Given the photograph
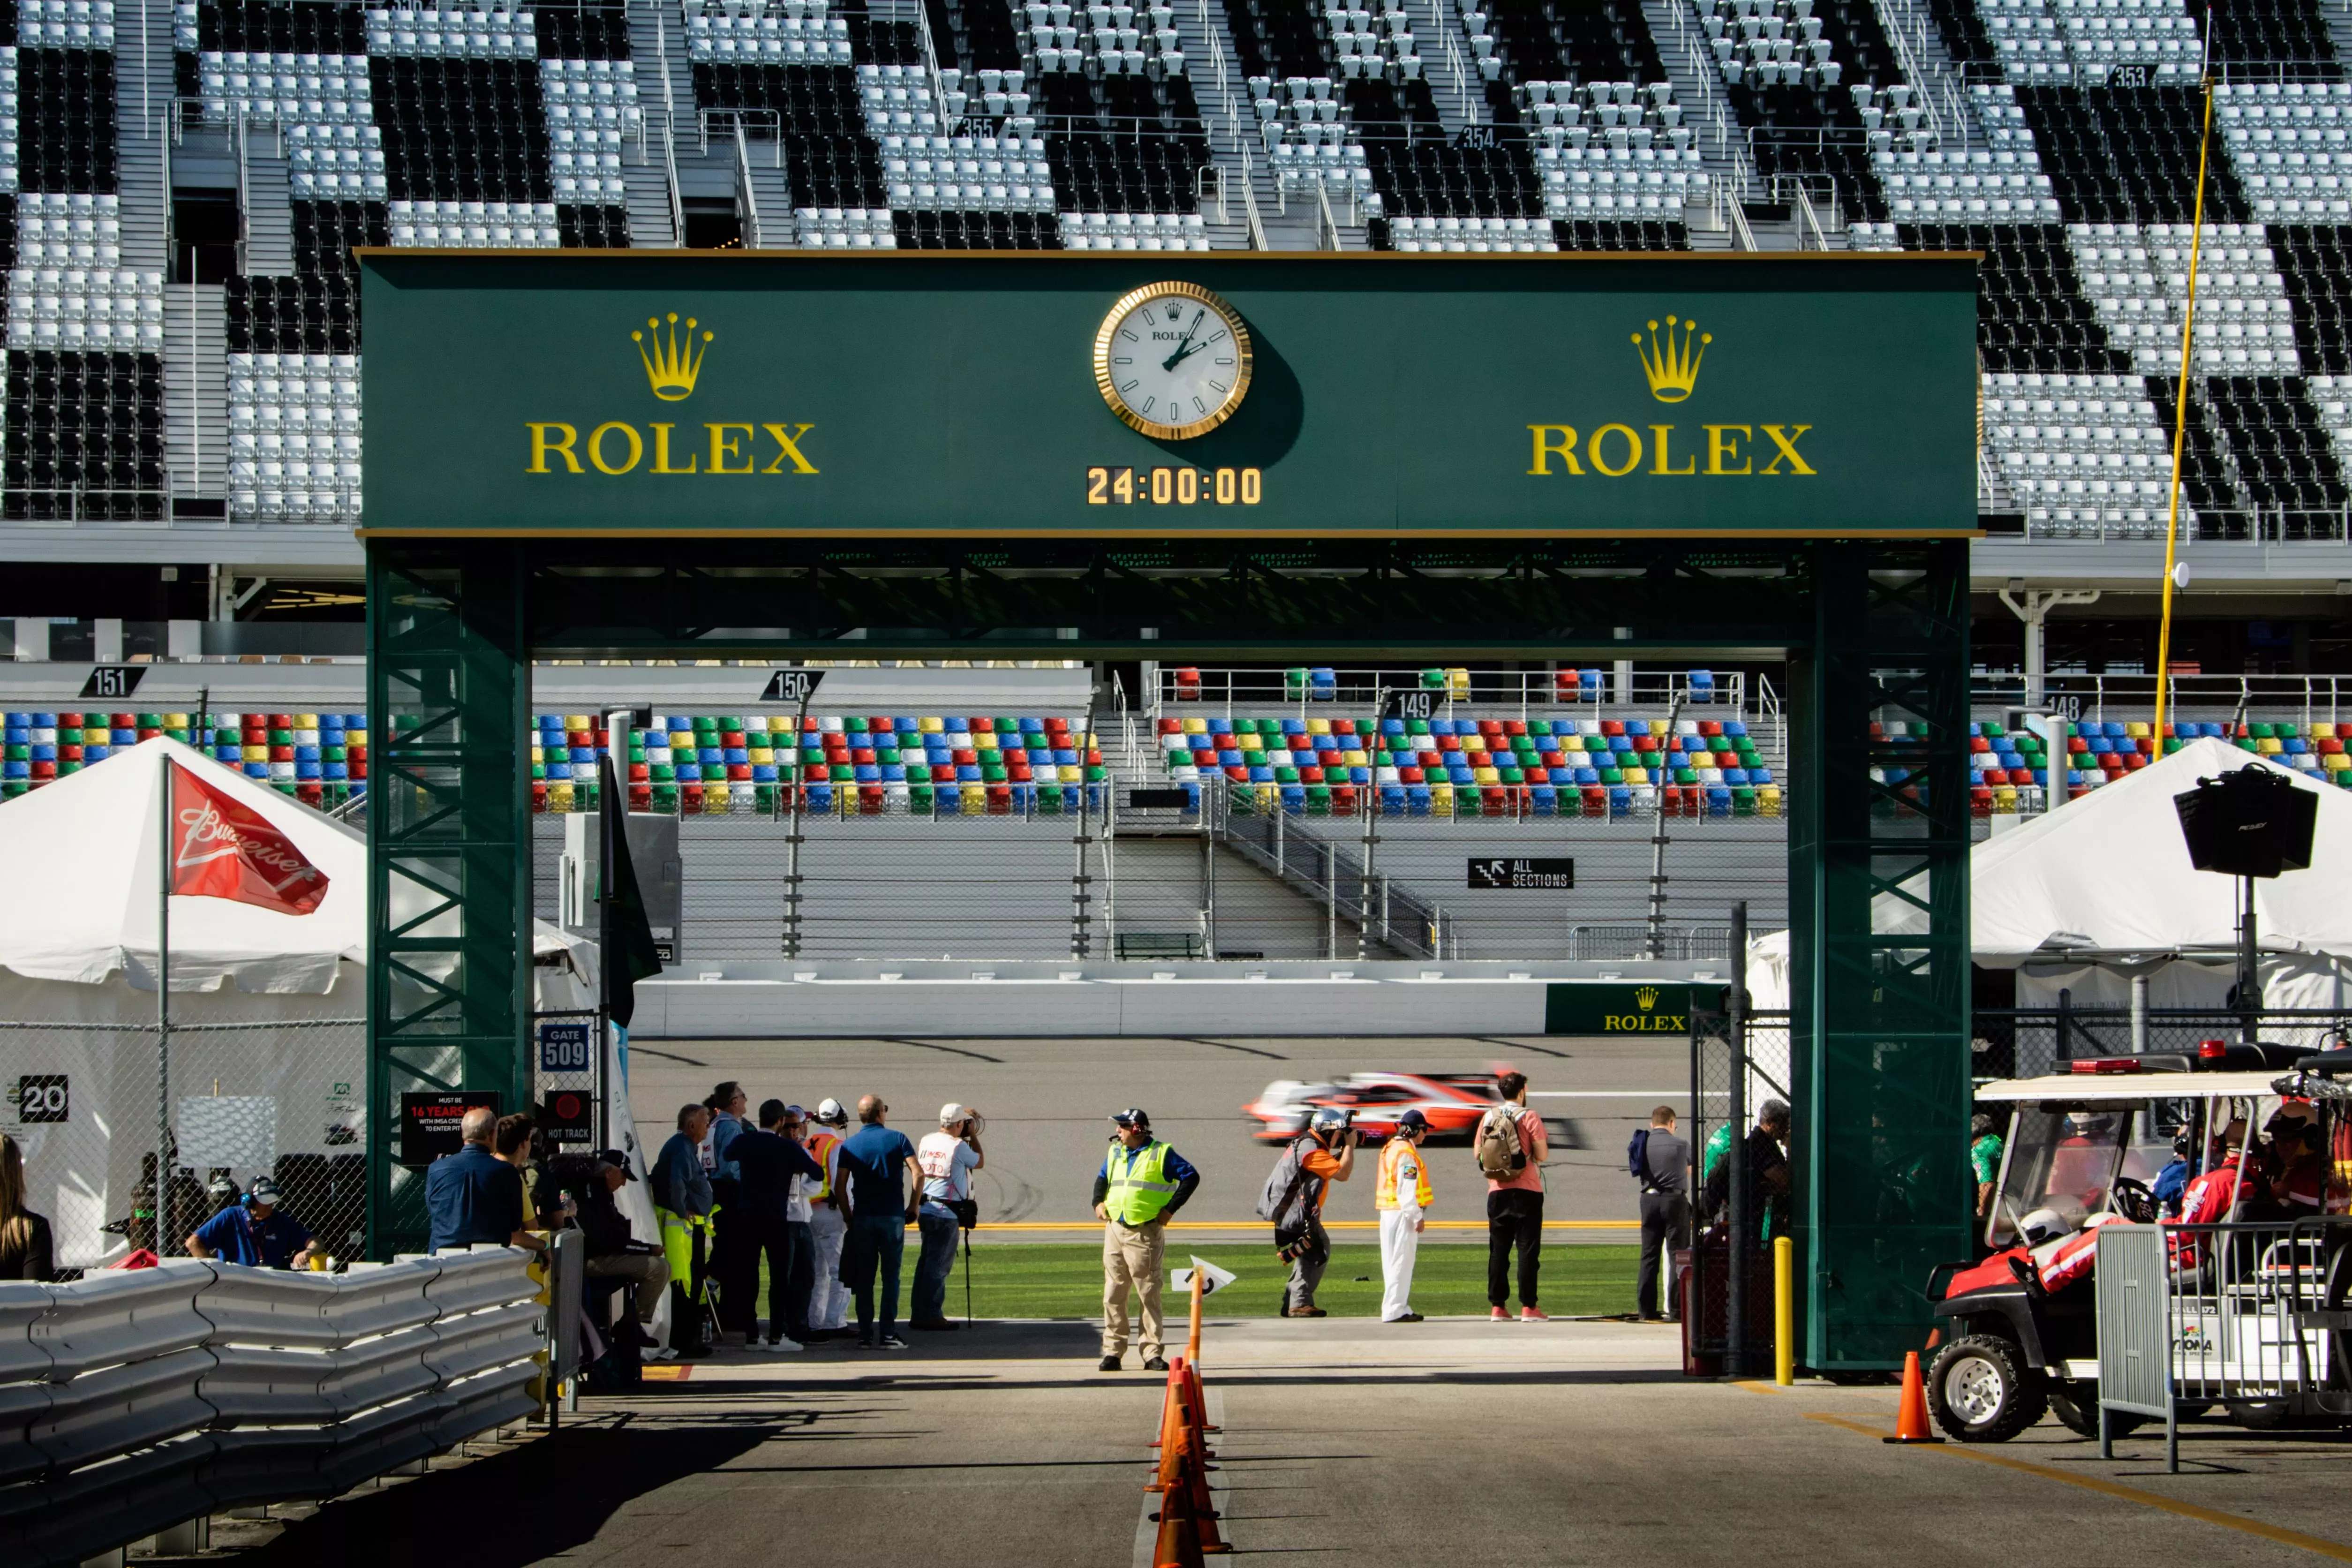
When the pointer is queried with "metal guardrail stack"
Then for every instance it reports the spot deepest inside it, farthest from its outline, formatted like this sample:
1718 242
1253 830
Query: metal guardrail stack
131 1401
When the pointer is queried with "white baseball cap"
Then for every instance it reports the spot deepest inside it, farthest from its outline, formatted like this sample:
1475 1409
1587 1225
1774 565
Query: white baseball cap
830 1112
950 1114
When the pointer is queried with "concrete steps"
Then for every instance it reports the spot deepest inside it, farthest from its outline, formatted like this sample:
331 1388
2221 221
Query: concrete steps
195 390
771 200
142 107
269 207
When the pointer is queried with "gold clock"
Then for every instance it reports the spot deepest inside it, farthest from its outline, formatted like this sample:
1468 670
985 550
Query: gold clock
1172 360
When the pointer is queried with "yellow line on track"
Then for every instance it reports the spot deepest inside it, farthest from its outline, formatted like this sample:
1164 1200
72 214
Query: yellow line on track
1754 1387
2270 1533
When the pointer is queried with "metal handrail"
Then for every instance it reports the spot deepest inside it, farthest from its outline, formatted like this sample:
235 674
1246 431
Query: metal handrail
1326 226
750 199
669 168
1249 204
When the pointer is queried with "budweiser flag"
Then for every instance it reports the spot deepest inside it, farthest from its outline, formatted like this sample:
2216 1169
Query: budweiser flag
222 848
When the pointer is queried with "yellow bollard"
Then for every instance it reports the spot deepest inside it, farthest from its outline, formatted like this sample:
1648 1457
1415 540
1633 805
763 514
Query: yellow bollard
1784 1312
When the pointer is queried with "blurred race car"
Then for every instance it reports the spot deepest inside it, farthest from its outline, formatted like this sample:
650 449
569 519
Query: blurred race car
1452 1101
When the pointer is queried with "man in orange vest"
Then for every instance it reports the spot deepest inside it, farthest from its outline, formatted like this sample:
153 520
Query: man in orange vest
1402 1198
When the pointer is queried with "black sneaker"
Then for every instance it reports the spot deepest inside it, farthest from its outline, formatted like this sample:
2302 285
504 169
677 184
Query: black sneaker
1110 1363
1157 1363
892 1342
1406 1318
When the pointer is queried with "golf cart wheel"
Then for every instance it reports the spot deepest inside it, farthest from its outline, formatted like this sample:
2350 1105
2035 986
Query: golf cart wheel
1981 1391
2076 1405
2260 1415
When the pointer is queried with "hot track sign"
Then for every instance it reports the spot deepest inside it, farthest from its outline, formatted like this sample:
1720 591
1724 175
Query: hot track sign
1168 395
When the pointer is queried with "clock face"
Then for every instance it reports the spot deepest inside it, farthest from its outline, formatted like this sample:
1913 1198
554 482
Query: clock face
1172 360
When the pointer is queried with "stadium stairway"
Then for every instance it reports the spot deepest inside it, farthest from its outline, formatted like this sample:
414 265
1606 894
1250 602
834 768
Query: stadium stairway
269 198
666 90
143 112
1697 91
770 194
195 390
1224 97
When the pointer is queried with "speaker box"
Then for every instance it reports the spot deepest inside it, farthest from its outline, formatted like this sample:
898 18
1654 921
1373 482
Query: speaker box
2251 822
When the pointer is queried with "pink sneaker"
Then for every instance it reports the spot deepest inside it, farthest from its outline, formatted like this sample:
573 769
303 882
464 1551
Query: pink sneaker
1498 1316
1530 1315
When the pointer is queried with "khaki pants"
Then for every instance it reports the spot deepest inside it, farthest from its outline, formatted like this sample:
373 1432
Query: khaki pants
1131 1262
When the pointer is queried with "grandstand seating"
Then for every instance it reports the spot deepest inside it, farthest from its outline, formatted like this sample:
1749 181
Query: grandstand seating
318 758
1471 767
857 764
2062 145
2007 770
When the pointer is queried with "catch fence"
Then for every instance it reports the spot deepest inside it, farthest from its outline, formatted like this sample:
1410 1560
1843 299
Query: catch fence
1150 870
1768 1038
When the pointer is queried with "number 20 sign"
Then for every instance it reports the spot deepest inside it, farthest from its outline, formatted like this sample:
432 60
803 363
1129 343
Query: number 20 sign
42 1098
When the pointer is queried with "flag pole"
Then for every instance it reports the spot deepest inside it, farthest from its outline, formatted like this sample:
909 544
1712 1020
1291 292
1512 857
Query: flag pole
2180 401
163 1012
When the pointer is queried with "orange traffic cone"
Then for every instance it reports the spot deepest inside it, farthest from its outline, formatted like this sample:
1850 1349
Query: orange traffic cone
1179 1545
1174 1432
1200 1397
1911 1423
1171 1400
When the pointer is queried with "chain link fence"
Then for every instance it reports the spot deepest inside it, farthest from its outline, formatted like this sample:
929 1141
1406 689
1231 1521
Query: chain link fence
1768 1045
282 1099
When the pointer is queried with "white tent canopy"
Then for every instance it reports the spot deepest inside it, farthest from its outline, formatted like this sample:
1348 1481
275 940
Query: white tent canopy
2110 874
84 856
265 1006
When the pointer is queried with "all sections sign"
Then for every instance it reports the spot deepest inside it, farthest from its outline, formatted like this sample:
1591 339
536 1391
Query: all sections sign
1170 394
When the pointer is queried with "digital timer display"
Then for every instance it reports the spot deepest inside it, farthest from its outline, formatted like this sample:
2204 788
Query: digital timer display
1174 487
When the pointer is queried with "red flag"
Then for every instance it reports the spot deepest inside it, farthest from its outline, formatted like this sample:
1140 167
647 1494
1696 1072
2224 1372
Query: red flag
222 848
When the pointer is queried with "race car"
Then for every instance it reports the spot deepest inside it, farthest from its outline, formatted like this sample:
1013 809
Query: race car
1453 1101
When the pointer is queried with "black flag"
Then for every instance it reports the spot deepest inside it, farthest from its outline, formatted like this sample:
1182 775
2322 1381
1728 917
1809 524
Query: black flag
626 937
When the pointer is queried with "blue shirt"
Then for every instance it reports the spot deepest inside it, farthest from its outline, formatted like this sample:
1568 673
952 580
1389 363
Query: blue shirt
680 1184
236 1236
872 1161
725 1128
473 1197
768 1163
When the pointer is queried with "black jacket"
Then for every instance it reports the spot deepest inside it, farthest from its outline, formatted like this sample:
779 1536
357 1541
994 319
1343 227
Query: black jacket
600 1219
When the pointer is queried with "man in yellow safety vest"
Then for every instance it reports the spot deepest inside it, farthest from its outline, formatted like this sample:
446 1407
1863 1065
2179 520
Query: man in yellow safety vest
1401 1197
1142 1181
828 1298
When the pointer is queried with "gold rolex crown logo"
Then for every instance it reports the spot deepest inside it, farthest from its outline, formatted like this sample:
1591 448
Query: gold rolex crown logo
1647 995
1673 366
671 366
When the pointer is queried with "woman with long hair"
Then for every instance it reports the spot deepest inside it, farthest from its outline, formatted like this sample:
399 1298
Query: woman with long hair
25 1250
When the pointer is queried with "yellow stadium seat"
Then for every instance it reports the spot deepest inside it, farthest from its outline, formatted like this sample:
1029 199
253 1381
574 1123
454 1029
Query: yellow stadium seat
2268 748
1319 726
2323 731
2004 800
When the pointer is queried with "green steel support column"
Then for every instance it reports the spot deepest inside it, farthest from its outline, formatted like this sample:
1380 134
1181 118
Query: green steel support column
448 863
1878 846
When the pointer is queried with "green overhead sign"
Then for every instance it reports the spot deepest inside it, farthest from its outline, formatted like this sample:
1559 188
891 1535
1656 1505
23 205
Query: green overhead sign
1168 395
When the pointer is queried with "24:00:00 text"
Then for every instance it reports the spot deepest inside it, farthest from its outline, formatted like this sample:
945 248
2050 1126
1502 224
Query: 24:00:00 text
1177 487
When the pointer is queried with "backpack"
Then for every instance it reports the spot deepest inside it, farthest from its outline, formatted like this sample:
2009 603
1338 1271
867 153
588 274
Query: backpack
1637 1156
1501 1155
1289 1175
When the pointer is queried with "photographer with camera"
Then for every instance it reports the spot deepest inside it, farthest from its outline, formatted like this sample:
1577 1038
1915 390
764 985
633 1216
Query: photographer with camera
948 1158
1142 1181
1293 1202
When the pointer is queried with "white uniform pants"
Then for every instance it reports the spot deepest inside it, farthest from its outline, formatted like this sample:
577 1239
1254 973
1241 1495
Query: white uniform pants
828 1298
1400 1245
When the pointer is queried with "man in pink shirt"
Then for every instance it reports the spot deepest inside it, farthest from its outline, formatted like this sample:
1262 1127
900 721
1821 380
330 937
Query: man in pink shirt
1515 1208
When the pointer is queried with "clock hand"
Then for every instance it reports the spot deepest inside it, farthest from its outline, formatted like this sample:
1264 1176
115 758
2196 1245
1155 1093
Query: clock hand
1184 343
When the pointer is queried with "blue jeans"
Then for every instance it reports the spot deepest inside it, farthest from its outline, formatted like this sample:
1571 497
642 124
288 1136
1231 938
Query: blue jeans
875 1241
933 1267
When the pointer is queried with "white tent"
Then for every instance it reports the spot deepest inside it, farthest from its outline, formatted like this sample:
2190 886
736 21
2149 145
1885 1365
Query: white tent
2090 895
268 1043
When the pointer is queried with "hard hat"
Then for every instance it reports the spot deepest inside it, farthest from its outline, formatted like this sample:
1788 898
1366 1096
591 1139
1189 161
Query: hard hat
950 1114
263 1191
1132 1116
1329 1120
830 1112
2044 1225
1411 1119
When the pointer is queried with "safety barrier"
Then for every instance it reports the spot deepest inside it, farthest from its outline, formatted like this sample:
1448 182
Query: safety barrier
132 1401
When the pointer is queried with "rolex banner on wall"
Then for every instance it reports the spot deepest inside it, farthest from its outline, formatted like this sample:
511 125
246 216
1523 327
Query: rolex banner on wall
222 848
